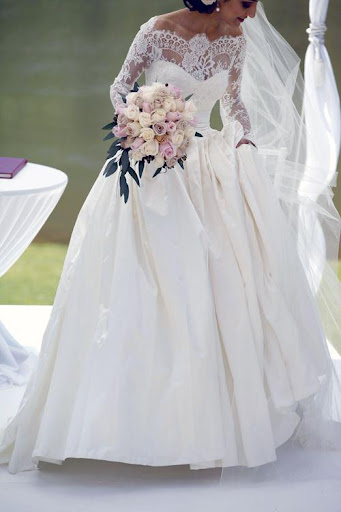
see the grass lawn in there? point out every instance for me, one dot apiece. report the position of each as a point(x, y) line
point(34, 277)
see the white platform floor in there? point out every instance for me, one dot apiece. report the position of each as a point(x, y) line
point(299, 481)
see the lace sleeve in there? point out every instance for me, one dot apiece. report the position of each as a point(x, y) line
point(231, 104)
point(139, 57)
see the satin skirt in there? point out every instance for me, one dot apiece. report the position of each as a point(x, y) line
point(183, 329)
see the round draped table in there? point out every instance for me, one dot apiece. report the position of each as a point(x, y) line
point(26, 201)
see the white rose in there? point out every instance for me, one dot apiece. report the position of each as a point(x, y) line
point(137, 155)
point(132, 112)
point(185, 144)
point(151, 147)
point(147, 134)
point(190, 106)
point(133, 129)
point(187, 115)
point(131, 98)
point(159, 161)
point(145, 119)
point(182, 125)
point(180, 104)
point(190, 132)
point(139, 99)
point(169, 104)
point(148, 95)
point(158, 102)
point(160, 89)
point(157, 115)
point(178, 137)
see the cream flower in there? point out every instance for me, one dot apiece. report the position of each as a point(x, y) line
point(180, 104)
point(149, 95)
point(131, 98)
point(190, 132)
point(158, 102)
point(133, 129)
point(137, 155)
point(132, 112)
point(169, 104)
point(160, 89)
point(147, 134)
point(151, 147)
point(190, 106)
point(178, 137)
point(159, 161)
point(158, 115)
point(139, 99)
point(145, 119)
point(182, 125)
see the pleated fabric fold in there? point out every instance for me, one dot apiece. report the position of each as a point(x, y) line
point(183, 329)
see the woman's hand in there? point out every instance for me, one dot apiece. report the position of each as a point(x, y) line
point(245, 141)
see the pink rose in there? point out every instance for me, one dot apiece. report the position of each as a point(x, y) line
point(146, 107)
point(120, 130)
point(137, 143)
point(171, 162)
point(167, 150)
point(122, 119)
point(171, 127)
point(179, 153)
point(173, 116)
point(174, 90)
point(159, 128)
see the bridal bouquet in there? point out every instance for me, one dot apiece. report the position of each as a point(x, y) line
point(153, 122)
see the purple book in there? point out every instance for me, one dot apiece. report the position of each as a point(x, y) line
point(9, 167)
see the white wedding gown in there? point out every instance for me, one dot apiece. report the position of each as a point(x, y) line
point(184, 330)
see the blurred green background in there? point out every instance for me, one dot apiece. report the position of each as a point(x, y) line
point(57, 60)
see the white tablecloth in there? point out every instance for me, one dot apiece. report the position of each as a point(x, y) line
point(26, 201)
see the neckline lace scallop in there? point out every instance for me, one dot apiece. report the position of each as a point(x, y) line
point(199, 35)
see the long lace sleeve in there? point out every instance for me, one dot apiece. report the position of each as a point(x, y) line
point(231, 104)
point(139, 57)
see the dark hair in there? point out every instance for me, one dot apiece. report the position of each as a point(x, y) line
point(197, 5)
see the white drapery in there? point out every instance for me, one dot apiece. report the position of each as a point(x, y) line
point(322, 114)
point(323, 109)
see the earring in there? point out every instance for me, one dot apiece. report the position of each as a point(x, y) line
point(218, 7)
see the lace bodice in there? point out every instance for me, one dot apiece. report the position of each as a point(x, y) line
point(210, 70)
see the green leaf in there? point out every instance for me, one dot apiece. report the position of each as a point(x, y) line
point(181, 163)
point(124, 189)
point(188, 97)
point(157, 172)
point(109, 126)
point(141, 167)
point(110, 168)
point(125, 162)
point(133, 175)
point(136, 87)
point(114, 148)
point(197, 134)
point(109, 136)
point(123, 96)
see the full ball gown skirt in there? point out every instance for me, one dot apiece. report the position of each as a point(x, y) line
point(183, 329)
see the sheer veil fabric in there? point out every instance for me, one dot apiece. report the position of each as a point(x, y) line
point(274, 95)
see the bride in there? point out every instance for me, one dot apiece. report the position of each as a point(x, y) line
point(186, 327)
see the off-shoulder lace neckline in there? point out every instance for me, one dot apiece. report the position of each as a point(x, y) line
point(201, 35)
